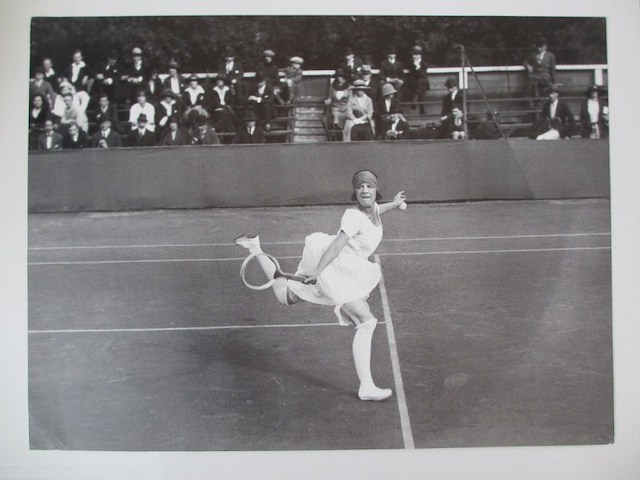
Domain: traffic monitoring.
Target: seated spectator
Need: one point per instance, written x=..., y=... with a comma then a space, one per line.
x=80, y=76
x=142, y=136
x=453, y=99
x=204, y=134
x=359, y=123
x=232, y=70
x=594, y=114
x=49, y=139
x=351, y=65
x=260, y=100
x=193, y=99
x=107, y=79
x=367, y=62
x=251, y=133
x=153, y=86
x=72, y=114
x=75, y=138
x=105, y=110
x=293, y=76
x=142, y=107
x=80, y=102
x=50, y=75
x=38, y=115
x=135, y=75
x=173, y=82
x=39, y=86
x=220, y=104
x=417, y=82
x=168, y=108
x=541, y=67
x=268, y=69
x=106, y=137
x=396, y=126
x=338, y=97
x=553, y=109
x=384, y=106
x=174, y=135
x=455, y=125
x=391, y=70
x=374, y=87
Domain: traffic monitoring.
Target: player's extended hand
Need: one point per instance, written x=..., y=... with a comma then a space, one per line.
x=399, y=199
x=310, y=280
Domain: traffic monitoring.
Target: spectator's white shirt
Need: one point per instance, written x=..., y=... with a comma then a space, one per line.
x=194, y=92
x=105, y=133
x=229, y=66
x=221, y=93
x=75, y=71
x=593, y=107
x=49, y=140
x=394, y=125
x=175, y=85
x=148, y=109
x=552, y=110
x=169, y=108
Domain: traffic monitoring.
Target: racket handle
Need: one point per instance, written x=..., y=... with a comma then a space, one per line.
x=291, y=276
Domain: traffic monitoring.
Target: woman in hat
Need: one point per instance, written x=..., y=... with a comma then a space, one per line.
x=339, y=273
x=359, y=123
x=594, y=114
x=193, y=101
x=338, y=97
x=220, y=104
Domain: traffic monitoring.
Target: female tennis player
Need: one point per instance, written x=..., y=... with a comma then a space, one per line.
x=338, y=272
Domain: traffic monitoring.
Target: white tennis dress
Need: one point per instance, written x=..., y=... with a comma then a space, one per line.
x=351, y=275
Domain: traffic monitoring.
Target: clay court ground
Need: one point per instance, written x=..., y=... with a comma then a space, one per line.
x=495, y=329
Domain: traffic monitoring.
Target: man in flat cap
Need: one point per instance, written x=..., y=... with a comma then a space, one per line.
x=416, y=80
x=292, y=77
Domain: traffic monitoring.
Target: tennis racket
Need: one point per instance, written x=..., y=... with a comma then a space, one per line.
x=278, y=274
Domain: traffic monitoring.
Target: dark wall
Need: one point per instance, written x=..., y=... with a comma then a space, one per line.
x=294, y=174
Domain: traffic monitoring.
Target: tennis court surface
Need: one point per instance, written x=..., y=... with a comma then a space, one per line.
x=495, y=329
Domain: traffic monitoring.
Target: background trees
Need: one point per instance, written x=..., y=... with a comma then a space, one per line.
x=198, y=43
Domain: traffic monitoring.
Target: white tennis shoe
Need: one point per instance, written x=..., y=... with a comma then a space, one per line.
x=248, y=241
x=374, y=393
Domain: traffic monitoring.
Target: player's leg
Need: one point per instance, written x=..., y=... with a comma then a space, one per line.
x=282, y=292
x=366, y=323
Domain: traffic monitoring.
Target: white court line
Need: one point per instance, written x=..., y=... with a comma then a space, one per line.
x=419, y=239
x=391, y=254
x=183, y=329
x=407, y=434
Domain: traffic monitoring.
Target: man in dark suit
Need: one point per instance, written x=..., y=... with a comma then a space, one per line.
x=105, y=110
x=107, y=79
x=541, y=66
x=251, y=133
x=204, y=134
x=106, y=137
x=374, y=85
x=452, y=100
x=141, y=136
x=555, y=115
x=173, y=81
x=416, y=80
x=49, y=140
x=232, y=70
x=75, y=138
x=351, y=64
x=40, y=86
x=78, y=73
x=391, y=70
x=261, y=100
x=174, y=135
x=395, y=126
x=135, y=75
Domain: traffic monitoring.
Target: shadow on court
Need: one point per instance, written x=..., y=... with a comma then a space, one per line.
x=142, y=336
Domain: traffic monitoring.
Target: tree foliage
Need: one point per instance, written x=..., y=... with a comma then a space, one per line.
x=198, y=43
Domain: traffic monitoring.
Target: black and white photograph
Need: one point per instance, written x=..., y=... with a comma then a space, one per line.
x=365, y=243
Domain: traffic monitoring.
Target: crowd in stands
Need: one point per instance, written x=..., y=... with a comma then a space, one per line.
x=139, y=105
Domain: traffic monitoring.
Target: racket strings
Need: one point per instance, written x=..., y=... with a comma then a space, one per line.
x=245, y=264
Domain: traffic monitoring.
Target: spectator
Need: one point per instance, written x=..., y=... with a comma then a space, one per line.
x=142, y=107
x=174, y=135
x=260, y=99
x=80, y=76
x=72, y=114
x=541, y=67
x=106, y=137
x=79, y=102
x=142, y=135
x=105, y=110
x=452, y=100
x=417, y=82
x=385, y=105
x=38, y=115
x=455, y=125
x=359, y=123
x=232, y=69
x=268, y=68
x=153, y=86
x=251, y=133
x=556, y=119
x=204, y=134
x=367, y=61
x=168, y=108
x=374, y=87
x=338, y=97
x=49, y=140
x=486, y=128
x=193, y=99
x=594, y=114
x=39, y=86
x=396, y=126
x=220, y=104
x=50, y=75
x=351, y=65
x=75, y=138
x=391, y=71
x=174, y=82
x=293, y=76
x=107, y=79
x=135, y=75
